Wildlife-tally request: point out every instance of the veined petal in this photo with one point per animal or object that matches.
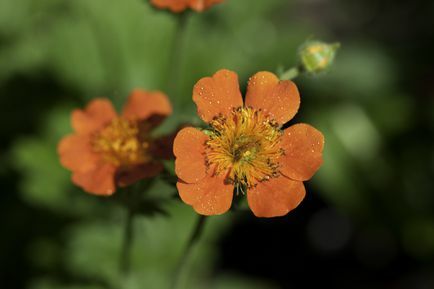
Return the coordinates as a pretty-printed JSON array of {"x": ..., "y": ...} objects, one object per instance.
[
  {"x": 210, "y": 196},
  {"x": 76, "y": 153},
  {"x": 189, "y": 150},
  {"x": 275, "y": 197},
  {"x": 98, "y": 113},
  {"x": 98, "y": 181},
  {"x": 216, "y": 95},
  {"x": 279, "y": 99},
  {"x": 142, "y": 105},
  {"x": 303, "y": 146}
]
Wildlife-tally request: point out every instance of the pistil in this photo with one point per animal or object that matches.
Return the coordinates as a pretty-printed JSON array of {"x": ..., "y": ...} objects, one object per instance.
[
  {"x": 121, "y": 143},
  {"x": 245, "y": 146}
]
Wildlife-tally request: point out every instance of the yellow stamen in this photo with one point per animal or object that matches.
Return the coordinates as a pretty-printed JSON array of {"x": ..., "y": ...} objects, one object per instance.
[
  {"x": 245, "y": 145},
  {"x": 121, "y": 143}
]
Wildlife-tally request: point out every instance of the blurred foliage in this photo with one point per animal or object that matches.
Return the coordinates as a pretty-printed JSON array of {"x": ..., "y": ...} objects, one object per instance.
[
  {"x": 109, "y": 54},
  {"x": 379, "y": 157}
]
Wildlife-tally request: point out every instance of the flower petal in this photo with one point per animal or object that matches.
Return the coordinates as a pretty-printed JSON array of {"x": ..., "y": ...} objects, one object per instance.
[
  {"x": 173, "y": 5},
  {"x": 303, "y": 146},
  {"x": 216, "y": 95},
  {"x": 76, "y": 153},
  {"x": 181, "y": 5},
  {"x": 128, "y": 175},
  {"x": 210, "y": 196},
  {"x": 275, "y": 197},
  {"x": 97, "y": 114},
  {"x": 143, "y": 104},
  {"x": 200, "y": 5},
  {"x": 189, "y": 150},
  {"x": 98, "y": 181},
  {"x": 278, "y": 98}
]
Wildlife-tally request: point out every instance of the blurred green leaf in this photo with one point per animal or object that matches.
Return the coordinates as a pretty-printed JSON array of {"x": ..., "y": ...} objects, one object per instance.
[
  {"x": 94, "y": 248},
  {"x": 418, "y": 236},
  {"x": 45, "y": 182}
]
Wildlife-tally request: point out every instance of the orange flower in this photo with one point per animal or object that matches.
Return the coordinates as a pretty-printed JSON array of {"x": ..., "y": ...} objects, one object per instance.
[
  {"x": 181, "y": 5},
  {"x": 245, "y": 147},
  {"x": 108, "y": 150}
]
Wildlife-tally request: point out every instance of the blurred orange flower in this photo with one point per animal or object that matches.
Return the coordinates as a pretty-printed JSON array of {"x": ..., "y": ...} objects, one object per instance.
[
  {"x": 109, "y": 150},
  {"x": 245, "y": 147},
  {"x": 181, "y": 5}
]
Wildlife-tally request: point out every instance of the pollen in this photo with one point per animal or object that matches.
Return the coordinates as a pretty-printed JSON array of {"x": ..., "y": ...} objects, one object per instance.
[
  {"x": 244, "y": 145},
  {"x": 122, "y": 143}
]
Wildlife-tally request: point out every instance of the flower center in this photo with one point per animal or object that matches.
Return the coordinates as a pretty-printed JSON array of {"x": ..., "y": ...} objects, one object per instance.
[
  {"x": 122, "y": 143},
  {"x": 246, "y": 145}
]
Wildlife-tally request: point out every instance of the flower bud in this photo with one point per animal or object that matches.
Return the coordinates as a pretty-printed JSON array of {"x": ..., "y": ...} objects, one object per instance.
[{"x": 317, "y": 56}]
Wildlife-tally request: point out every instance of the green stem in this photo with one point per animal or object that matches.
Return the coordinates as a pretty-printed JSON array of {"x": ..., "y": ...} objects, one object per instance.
[
  {"x": 290, "y": 73},
  {"x": 198, "y": 229},
  {"x": 175, "y": 58},
  {"x": 125, "y": 260}
]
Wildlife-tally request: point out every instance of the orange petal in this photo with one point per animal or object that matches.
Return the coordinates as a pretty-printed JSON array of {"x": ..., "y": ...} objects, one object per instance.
[
  {"x": 200, "y": 5},
  {"x": 97, "y": 114},
  {"x": 99, "y": 181},
  {"x": 275, "y": 197},
  {"x": 128, "y": 175},
  {"x": 181, "y": 5},
  {"x": 210, "y": 196},
  {"x": 76, "y": 153},
  {"x": 216, "y": 95},
  {"x": 278, "y": 98},
  {"x": 303, "y": 146},
  {"x": 189, "y": 149},
  {"x": 142, "y": 105},
  {"x": 173, "y": 5}
]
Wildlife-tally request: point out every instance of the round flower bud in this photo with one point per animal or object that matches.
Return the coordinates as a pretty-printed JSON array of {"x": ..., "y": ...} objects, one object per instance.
[{"x": 317, "y": 56}]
